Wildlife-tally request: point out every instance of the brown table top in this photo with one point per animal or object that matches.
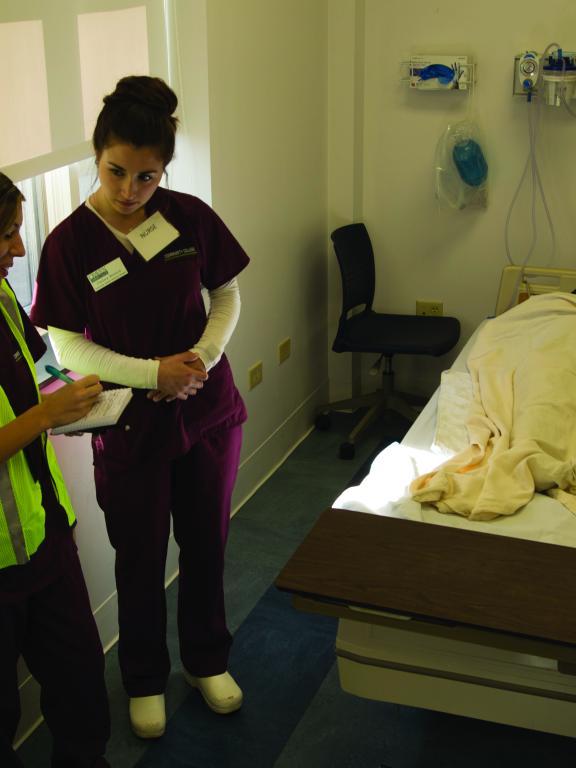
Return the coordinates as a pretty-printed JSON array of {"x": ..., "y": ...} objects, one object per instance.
[{"x": 438, "y": 573}]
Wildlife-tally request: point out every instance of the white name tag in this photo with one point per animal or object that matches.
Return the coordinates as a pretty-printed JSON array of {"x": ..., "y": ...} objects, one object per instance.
[
  {"x": 107, "y": 274},
  {"x": 154, "y": 234}
]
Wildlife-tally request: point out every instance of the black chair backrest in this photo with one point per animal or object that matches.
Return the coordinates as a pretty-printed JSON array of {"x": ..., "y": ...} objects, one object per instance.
[{"x": 356, "y": 261}]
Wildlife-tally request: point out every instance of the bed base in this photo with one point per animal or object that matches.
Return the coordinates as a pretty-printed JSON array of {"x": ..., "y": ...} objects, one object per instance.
[{"x": 402, "y": 667}]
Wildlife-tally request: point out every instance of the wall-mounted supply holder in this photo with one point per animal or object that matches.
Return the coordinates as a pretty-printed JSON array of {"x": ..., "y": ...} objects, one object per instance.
[
  {"x": 555, "y": 76},
  {"x": 438, "y": 72}
]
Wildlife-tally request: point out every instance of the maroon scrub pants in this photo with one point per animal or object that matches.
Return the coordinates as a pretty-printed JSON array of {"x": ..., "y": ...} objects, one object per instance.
[
  {"x": 54, "y": 630},
  {"x": 137, "y": 501}
]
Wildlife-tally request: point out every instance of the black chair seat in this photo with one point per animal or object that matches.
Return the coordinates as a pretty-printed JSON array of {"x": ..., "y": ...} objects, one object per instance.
[{"x": 397, "y": 334}]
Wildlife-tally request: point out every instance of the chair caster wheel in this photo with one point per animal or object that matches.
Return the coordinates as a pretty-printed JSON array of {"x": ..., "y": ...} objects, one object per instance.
[
  {"x": 323, "y": 421},
  {"x": 347, "y": 450}
]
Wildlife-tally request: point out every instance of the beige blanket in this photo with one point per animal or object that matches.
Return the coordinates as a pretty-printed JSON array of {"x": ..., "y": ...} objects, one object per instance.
[{"x": 522, "y": 421}]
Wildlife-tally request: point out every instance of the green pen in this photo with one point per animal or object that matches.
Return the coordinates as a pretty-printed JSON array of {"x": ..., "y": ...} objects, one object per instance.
[{"x": 59, "y": 375}]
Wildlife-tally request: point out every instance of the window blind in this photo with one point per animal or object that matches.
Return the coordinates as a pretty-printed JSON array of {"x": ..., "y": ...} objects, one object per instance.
[{"x": 58, "y": 59}]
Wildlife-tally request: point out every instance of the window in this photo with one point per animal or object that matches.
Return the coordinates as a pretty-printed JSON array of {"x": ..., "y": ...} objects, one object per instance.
[
  {"x": 50, "y": 197},
  {"x": 23, "y": 272},
  {"x": 76, "y": 50}
]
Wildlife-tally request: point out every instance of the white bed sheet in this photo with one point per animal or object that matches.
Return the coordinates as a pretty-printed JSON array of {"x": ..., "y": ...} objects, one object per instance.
[{"x": 383, "y": 491}]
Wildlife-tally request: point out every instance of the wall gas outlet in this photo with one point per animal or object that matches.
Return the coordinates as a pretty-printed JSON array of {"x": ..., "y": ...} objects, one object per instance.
[
  {"x": 284, "y": 350},
  {"x": 255, "y": 375},
  {"x": 430, "y": 308}
]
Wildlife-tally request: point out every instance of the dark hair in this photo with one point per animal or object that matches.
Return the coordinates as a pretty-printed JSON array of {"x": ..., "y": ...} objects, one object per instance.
[
  {"x": 139, "y": 112},
  {"x": 10, "y": 196}
]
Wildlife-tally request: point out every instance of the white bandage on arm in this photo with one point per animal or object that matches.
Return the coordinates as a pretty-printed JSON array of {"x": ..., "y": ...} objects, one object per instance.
[
  {"x": 222, "y": 318},
  {"x": 76, "y": 352}
]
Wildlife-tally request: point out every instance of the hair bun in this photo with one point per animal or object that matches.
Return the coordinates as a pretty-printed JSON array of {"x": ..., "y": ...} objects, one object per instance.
[
  {"x": 150, "y": 92},
  {"x": 138, "y": 112}
]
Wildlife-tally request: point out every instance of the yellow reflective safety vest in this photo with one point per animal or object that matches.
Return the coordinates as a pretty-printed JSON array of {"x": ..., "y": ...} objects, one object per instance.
[{"x": 22, "y": 515}]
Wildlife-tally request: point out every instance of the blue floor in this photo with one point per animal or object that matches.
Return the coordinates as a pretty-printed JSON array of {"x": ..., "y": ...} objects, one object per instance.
[
  {"x": 281, "y": 657},
  {"x": 295, "y": 715}
]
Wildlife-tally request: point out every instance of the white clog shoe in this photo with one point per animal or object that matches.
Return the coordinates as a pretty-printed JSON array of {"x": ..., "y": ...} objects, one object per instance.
[
  {"x": 220, "y": 692},
  {"x": 148, "y": 716}
]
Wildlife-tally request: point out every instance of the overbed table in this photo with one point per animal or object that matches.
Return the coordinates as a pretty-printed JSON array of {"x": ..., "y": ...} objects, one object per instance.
[{"x": 465, "y": 585}]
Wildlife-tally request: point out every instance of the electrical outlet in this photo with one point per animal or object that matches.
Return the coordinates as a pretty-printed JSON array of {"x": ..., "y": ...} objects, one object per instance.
[
  {"x": 284, "y": 350},
  {"x": 430, "y": 308},
  {"x": 255, "y": 375}
]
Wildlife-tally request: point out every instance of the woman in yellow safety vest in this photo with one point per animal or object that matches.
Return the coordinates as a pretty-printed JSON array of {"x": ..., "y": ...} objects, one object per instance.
[{"x": 45, "y": 613}]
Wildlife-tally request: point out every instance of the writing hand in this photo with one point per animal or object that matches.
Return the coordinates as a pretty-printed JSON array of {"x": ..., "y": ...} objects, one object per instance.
[{"x": 71, "y": 402}]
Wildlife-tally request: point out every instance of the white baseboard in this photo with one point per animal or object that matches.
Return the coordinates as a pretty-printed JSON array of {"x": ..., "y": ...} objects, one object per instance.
[
  {"x": 265, "y": 459},
  {"x": 30, "y": 706}
]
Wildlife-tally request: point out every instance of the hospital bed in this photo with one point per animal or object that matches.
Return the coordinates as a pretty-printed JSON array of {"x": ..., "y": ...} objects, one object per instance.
[{"x": 436, "y": 611}]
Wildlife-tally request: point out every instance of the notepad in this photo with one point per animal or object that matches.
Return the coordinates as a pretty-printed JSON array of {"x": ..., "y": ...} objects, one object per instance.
[{"x": 104, "y": 413}]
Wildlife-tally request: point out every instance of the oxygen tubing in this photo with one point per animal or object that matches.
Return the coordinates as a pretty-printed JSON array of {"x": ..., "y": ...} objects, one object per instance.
[{"x": 532, "y": 164}]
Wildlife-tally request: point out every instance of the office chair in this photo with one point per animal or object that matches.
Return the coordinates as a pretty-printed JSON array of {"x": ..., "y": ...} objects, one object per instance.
[{"x": 383, "y": 334}]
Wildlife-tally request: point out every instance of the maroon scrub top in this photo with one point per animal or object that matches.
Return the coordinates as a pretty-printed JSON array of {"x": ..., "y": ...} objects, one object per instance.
[
  {"x": 155, "y": 310},
  {"x": 18, "y": 384}
]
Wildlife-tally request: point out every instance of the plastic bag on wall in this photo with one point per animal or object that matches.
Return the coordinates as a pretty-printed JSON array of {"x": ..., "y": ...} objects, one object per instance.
[{"x": 461, "y": 168}]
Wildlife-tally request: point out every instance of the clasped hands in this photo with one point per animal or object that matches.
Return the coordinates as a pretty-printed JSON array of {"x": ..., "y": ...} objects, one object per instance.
[{"x": 179, "y": 377}]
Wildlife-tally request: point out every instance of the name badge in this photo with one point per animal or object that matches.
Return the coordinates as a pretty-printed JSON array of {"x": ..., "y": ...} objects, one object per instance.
[
  {"x": 154, "y": 234},
  {"x": 107, "y": 274}
]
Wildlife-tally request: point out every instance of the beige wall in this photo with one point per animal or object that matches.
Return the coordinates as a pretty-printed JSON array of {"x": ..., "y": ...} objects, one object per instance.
[
  {"x": 424, "y": 252},
  {"x": 345, "y": 151},
  {"x": 300, "y": 124},
  {"x": 267, "y": 86}
]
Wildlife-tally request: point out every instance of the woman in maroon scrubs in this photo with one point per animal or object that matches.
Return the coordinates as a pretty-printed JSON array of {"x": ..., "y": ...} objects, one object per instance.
[
  {"x": 45, "y": 613},
  {"x": 120, "y": 290}
]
